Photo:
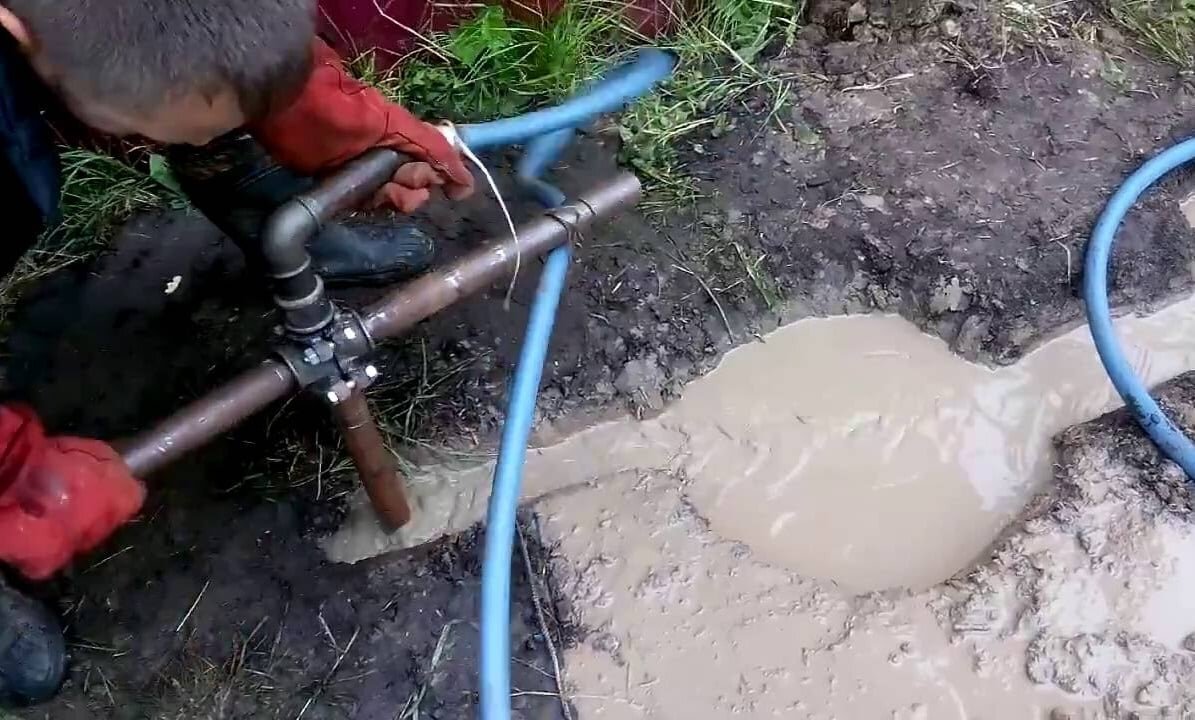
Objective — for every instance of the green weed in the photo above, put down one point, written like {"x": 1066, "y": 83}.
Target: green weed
{"x": 494, "y": 66}
{"x": 98, "y": 193}
{"x": 1167, "y": 27}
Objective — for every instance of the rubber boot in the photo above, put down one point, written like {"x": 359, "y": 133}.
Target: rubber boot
{"x": 32, "y": 650}
{"x": 237, "y": 186}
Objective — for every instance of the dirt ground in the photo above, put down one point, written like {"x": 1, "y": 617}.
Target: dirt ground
{"x": 942, "y": 173}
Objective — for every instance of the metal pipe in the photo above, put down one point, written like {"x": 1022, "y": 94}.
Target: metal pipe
{"x": 207, "y": 418}
{"x": 299, "y": 292}
{"x": 375, "y": 465}
{"x": 227, "y": 406}
{"x": 422, "y": 298}
{"x": 354, "y": 183}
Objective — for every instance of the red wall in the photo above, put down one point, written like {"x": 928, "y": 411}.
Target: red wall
{"x": 354, "y": 26}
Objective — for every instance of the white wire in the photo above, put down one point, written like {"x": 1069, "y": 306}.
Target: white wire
{"x": 455, "y": 139}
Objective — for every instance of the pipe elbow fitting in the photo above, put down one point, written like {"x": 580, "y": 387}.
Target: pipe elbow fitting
{"x": 284, "y": 238}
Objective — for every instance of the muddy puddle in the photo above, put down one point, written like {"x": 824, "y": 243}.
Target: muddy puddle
{"x": 852, "y": 449}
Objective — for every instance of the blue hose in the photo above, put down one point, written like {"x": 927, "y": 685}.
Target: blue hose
{"x": 618, "y": 87}
{"x": 546, "y": 133}
{"x": 504, "y": 499}
{"x": 1169, "y": 439}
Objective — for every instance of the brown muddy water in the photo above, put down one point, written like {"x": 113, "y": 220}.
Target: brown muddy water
{"x": 852, "y": 449}
{"x": 833, "y": 524}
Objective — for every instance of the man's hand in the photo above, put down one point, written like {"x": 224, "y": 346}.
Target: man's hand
{"x": 412, "y": 186}
{"x": 59, "y": 497}
{"x": 336, "y": 118}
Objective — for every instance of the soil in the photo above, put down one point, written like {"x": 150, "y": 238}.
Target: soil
{"x": 937, "y": 172}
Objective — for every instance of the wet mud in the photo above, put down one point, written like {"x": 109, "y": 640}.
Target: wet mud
{"x": 854, "y": 449}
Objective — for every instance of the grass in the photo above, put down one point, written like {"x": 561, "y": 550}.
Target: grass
{"x": 1165, "y": 27}
{"x": 494, "y": 66}
{"x": 98, "y": 193}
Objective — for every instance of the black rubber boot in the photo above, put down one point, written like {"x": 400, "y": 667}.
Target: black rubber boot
{"x": 237, "y": 186}
{"x": 32, "y": 651}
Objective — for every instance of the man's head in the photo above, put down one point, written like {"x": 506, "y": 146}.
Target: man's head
{"x": 181, "y": 71}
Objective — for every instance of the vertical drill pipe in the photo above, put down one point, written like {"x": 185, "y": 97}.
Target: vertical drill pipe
{"x": 377, "y": 467}
{"x": 226, "y": 407}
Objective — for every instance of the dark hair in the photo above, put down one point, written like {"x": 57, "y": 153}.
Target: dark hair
{"x": 136, "y": 53}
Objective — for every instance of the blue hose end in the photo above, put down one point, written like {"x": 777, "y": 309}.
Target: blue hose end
{"x": 1149, "y": 415}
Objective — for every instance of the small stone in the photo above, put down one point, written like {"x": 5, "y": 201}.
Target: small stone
{"x": 950, "y": 28}
{"x": 1149, "y": 694}
{"x": 873, "y": 202}
{"x": 642, "y": 381}
{"x": 840, "y": 141}
{"x": 924, "y": 13}
{"x": 1039, "y": 669}
{"x": 856, "y": 13}
{"x": 813, "y": 33}
{"x": 1189, "y": 643}
{"x": 865, "y": 33}
{"x": 1110, "y": 35}
{"x": 950, "y": 296}
{"x": 971, "y": 336}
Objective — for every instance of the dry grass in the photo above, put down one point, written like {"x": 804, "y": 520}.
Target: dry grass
{"x": 1164, "y": 27}
{"x": 99, "y": 192}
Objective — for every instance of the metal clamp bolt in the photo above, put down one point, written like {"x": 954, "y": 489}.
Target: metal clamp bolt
{"x": 339, "y": 391}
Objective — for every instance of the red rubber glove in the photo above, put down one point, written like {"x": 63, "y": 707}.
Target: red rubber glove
{"x": 336, "y": 118}
{"x": 59, "y": 497}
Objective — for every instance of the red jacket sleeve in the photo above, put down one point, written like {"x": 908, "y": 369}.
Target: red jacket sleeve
{"x": 335, "y": 118}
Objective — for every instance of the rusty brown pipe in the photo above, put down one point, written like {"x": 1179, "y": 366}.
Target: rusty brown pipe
{"x": 420, "y": 299}
{"x": 209, "y": 417}
{"x": 377, "y": 468}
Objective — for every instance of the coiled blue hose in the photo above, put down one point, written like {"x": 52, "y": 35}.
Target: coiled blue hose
{"x": 1169, "y": 439}
{"x": 546, "y": 133}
